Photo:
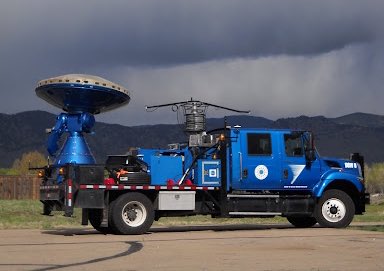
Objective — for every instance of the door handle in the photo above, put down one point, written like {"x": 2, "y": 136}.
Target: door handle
{"x": 285, "y": 173}
{"x": 241, "y": 165}
{"x": 245, "y": 173}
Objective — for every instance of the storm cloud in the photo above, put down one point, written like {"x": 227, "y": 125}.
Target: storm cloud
{"x": 276, "y": 58}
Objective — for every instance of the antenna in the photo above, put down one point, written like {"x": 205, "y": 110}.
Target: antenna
{"x": 81, "y": 97}
{"x": 194, "y": 113}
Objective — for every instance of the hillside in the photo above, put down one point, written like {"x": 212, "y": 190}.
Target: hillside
{"x": 361, "y": 119}
{"x": 364, "y": 133}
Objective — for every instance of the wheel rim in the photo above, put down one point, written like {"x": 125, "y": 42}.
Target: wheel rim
{"x": 333, "y": 210}
{"x": 134, "y": 214}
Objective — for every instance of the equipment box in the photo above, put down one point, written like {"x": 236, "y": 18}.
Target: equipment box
{"x": 164, "y": 168}
{"x": 208, "y": 172}
{"x": 88, "y": 174}
{"x": 176, "y": 200}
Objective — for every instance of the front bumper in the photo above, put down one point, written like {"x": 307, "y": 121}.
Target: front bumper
{"x": 364, "y": 200}
{"x": 367, "y": 198}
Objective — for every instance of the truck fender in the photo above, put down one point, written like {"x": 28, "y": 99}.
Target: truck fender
{"x": 329, "y": 177}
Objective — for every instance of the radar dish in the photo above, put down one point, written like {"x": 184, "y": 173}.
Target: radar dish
{"x": 77, "y": 93}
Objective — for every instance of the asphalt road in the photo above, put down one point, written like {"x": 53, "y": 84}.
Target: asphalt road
{"x": 240, "y": 247}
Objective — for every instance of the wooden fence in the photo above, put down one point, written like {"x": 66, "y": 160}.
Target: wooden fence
{"x": 19, "y": 187}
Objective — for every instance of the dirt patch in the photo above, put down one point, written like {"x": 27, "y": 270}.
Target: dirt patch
{"x": 270, "y": 247}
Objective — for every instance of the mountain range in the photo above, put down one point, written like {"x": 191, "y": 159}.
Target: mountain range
{"x": 357, "y": 132}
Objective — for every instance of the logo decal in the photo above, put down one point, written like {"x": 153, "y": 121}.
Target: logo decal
{"x": 350, "y": 165}
{"x": 296, "y": 171}
{"x": 213, "y": 173}
{"x": 296, "y": 186}
{"x": 261, "y": 172}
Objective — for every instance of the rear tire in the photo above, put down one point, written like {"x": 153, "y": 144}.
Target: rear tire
{"x": 302, "y": 221}
{"x": 95, "y": 217}
{"x": 335, "y": 209}
{"x": 132, "y": 213}
{"x": 47, "y": 209}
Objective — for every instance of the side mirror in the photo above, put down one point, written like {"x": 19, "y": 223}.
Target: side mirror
{"x": 310, "y": 155}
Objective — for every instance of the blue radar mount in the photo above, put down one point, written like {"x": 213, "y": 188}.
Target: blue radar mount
{"x": 81, "y": 97}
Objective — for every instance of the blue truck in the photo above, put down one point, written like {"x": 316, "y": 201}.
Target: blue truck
{"x": 225, "y": 172}
{"x": 228, "y": 172}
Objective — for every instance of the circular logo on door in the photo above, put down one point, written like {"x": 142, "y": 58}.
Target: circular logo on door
{"x": 261, "y": 172}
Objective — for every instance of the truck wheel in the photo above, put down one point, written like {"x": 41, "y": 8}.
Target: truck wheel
{"x": 335, "y": 209}
{"x": 302, "y": 221}
{"x": 47, "y": 209}
{"x": 95, "y": 217}
{"x": 132, "y": 213}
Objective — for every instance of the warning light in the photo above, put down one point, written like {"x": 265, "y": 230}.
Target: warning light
{"x": 61, "y": 171}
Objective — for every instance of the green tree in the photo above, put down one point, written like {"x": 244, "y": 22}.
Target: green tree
{"x": 8, "y": 171}
{"x": 33, "y": 159}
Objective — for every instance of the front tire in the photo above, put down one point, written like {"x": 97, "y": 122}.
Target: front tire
{"x": 335, "y": 209}
{"x": 302, "y": 221}
{"x": 132, "y": 213}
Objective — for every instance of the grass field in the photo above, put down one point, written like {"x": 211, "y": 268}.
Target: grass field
{"x": 26, "y": 214}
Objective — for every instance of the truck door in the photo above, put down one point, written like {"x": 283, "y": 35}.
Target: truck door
{"x": 297, "y": 172}
{"x": 259, "y": 165}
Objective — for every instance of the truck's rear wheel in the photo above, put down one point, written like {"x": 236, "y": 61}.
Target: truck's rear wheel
{"x": 47, "y": 209}
{"x": 335, "y": 209}
{"x": 302, "y": 221}
{"x": 132, "y": 213}
{"x": 95, "y": 217}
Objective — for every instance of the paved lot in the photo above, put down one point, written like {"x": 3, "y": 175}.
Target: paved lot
{"x": 247, "y": 247}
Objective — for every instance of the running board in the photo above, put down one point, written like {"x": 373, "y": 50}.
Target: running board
{"x": 254, "y": 213}
{"x": 252, "y": 196}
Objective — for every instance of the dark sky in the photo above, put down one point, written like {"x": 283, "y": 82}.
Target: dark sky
{"x": 277, "y": 58}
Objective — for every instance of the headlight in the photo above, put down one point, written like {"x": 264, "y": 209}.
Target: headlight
{"x": 362, "y": 181}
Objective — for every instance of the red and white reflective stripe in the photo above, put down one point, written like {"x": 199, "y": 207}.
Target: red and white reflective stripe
{"x": 69, "y": 193}
{"x": 145, "y": 187}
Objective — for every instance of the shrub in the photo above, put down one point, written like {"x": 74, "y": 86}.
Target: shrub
{"x": 374, "y": 176}
{"x": 33, "y": 159}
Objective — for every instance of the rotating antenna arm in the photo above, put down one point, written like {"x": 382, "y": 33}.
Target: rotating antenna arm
{"x": 226, "y": 108}
{"x": 56, "y": 133}
{"x": 199, "y": 104}
{"x": 164, "y": 105}
{"x": 71, "y": 123}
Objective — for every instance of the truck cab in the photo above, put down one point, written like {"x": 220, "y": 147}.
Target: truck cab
{"x": 285, "y": 164}
{"x": 284, "y": 160}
